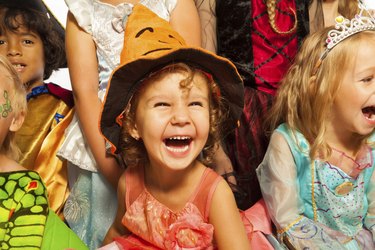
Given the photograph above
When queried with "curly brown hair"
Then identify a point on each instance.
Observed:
(134, 151)
(13, 18)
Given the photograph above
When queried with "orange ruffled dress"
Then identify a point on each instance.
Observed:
(155, 226)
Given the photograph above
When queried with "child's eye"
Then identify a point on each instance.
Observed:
(367, 79)
(161, 104)
(28, 42)
(2, 42)
(196, 104)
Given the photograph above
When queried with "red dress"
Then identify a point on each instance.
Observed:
(262, 57)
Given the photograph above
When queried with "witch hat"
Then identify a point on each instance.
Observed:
(150, 43)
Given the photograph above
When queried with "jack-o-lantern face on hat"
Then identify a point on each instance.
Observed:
(165, 42)
(150, 43)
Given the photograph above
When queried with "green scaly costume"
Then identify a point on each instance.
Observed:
(23, 210)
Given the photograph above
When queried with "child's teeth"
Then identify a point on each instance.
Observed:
(178, 150)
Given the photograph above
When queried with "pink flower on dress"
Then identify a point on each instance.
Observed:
(189, 232)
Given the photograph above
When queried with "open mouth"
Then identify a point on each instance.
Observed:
(18, 66)
(178, 144)
(369, 113)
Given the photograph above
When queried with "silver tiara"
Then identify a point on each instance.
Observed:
(345, 28)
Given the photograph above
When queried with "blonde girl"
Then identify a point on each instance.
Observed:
(317, 175)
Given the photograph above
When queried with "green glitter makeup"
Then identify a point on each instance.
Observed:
(6, 108)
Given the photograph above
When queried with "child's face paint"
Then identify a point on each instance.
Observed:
(6, 112)
(5, 108)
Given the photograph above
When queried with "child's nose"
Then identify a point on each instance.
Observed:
(14, 49)
(180, 116)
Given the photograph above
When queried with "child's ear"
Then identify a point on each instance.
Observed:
(133, 131)
(17, 122)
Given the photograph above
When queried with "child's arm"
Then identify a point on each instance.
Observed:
(206, 10)
(277, 176)
(229, 230)
(185, 20)
(118, 229)
(83, 69)
(370, 216)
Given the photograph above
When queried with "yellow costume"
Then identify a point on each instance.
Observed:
(49, 113)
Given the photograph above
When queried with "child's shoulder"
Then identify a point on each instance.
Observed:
(54, 90)
(14, 171)
(211, 181)
(61, 93)
(8, 164)
(371, 139)
(12, 167)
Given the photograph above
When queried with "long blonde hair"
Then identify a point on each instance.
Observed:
(19, 107)
(304, 99)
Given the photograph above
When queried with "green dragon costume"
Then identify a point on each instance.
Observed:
(26, 222)
(23, 210)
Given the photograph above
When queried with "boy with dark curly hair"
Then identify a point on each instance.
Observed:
(30, 40)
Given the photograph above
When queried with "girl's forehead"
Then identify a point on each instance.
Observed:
(20, 29)
(175, 79)
(364, 58)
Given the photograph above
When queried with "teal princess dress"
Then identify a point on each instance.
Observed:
(314, 203)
